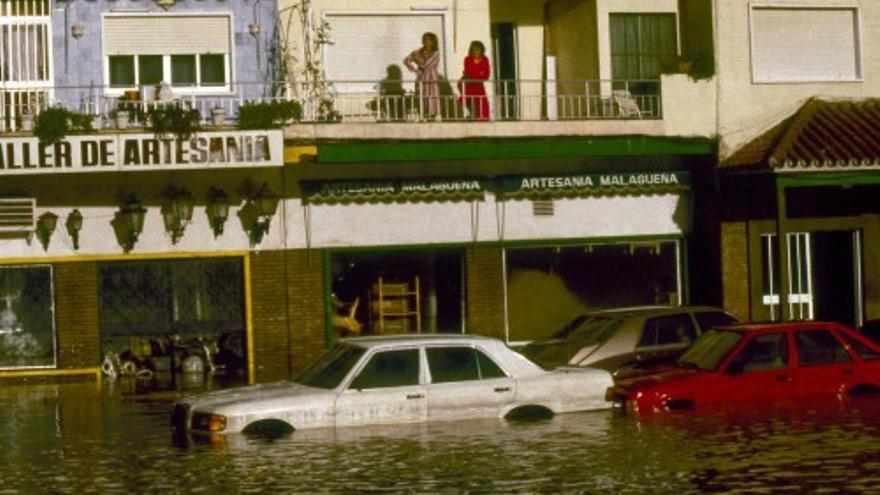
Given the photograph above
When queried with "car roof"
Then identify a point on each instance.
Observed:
(404, 339)
(769, 326)
(649, 311)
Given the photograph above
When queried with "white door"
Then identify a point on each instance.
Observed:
(387, 390)
(466, 383)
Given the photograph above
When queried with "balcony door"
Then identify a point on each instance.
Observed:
(642, 47)
(504, 51)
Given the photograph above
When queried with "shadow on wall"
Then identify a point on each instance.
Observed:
(539, 317)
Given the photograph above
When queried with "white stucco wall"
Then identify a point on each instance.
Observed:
(747, 109)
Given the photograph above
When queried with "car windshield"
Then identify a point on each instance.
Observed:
(592, 330)
(333, 366)
(708, 351)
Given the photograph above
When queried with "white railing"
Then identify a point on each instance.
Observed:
(360, 101)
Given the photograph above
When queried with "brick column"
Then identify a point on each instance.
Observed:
(269, 316)
(307, 305)
(76, 315)
(735, 268)
(485, 291)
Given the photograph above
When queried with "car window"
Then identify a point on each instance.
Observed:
(389, 369)
(488, 368)
(330, 369)
(711, 319)
(816, 347)
(666, 330)
(763, 353)
(594, 330)
(458, 364)
(571, 326)
(708, 351)
(862, 351)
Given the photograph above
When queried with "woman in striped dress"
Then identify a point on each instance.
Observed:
(425, 62)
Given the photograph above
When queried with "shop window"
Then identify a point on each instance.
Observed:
(183, 70)
(122, 71)
(27, 326)
(391, 292)
(389, 369)
(549, 286)
(817, 347)
(148, 309)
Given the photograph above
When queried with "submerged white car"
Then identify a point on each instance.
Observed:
(398, 379)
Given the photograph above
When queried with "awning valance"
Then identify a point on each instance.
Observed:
(395, 190)
(636, 183)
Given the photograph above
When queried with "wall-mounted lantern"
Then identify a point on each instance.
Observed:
(77, 30)
(255, 29)
(177, 212)
(217, 210)
(166, 4)
(257, 213)
(46, 227)
(74, 225)
(129, 222)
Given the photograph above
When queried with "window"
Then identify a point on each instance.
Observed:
(122, 71)
(861, 350)
(458, 364)
(328, 371)
(764, 353)
(27, 324)
(667, 330)
(188, 51)
(815, 347)
(642, 45)
(800, 275)
(389, 369)
(710, 349)
(795, 44)
(712, 319)
(150, 70)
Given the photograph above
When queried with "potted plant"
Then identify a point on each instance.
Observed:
(27, 120)
(268, 115)
(120, 116)
(54, 123)
(97, 121)
(176, 120)
(218, 115)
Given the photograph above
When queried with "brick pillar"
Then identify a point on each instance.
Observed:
(269, 316)
(307, 306)
(485, 291)
(76, 315)
(735, 268)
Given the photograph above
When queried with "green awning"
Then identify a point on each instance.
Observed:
(620, 184)
(395, 190)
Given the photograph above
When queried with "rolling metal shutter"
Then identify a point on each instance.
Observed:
(363, 46)
(166, 35)
(805, 44)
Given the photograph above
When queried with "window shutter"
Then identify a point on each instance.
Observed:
(803, 44)
(166, 35)
(363, 46)
(17, 214)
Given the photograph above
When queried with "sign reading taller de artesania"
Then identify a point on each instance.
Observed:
(133, 152)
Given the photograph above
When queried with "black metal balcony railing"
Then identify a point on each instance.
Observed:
(353, 101)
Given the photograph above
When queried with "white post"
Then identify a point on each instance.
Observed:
(550, 88)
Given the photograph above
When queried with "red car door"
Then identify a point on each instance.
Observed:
(760, 371)
(824, 366)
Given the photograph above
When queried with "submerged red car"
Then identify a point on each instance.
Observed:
(756, 362)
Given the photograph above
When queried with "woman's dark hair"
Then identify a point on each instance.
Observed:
(435, 43)
(479, 45)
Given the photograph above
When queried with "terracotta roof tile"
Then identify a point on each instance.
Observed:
(821, 134)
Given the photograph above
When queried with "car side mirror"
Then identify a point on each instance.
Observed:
(735, 368)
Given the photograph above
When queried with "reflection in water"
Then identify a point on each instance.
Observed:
(76, 438)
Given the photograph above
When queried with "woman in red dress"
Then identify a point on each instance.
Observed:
(473, 91)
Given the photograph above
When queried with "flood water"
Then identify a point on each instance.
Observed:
(79, 438)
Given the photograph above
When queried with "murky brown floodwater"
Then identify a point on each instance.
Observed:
(79, 439)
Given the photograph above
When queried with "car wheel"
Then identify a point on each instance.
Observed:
(529, 413)
(268, 428)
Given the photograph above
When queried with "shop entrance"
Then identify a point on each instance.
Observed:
(399, 291)
(178, 320)
(836, 269)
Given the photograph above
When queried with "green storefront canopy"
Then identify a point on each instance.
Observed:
(395, 190)
(636, 183)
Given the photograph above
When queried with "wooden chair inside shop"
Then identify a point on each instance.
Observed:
(344, 320)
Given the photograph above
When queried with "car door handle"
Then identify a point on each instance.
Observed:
(415, 396)
(783, 378)
(502, 389)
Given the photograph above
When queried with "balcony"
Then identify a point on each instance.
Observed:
(671, 106)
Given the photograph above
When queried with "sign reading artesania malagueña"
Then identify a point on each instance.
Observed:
(132, 152)
(635, 182)
(382, 189)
